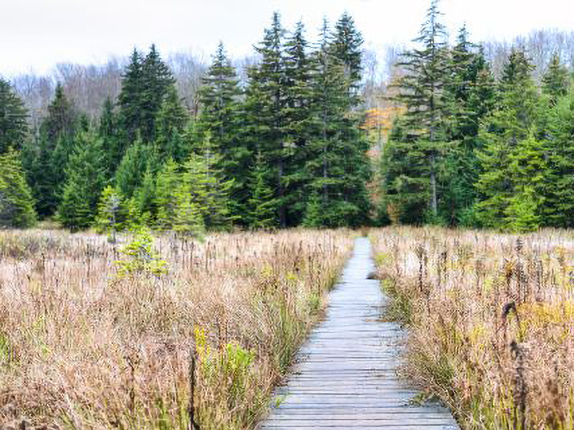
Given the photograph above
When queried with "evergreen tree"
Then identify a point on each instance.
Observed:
(37, 162)
(471, 95)
(171, 122)
(144, 198)
(405, 177)
(138, 159)
(313, 212)
(84, 183)
(337, 161)
(16, 202)
(188, 219)
(221, 117)
(109, 133)
(202, 180)
(559, 178)
(347, 49)
(130, 99)
(298, 121)
(262, 205)
(61, 122)
(46, 156)
(526, 170)
(423, 92)
(157, 81)
(177, 207)
(266, 108)
(109, 215)
(168, 183)
(556, 80)
(13, 125)
(504, 129)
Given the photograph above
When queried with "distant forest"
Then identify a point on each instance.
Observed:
(308, 133)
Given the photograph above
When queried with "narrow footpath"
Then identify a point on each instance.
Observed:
(345, 376)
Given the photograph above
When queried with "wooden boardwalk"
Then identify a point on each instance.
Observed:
(345, 376)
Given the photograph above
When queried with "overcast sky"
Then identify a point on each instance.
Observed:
(37, 34)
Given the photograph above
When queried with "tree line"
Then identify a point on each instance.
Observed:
(474, 151)
(286, 146)
(283, 150)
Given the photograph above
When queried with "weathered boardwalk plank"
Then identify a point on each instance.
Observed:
(345, 376)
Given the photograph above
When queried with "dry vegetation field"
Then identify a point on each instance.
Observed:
(491, 319)
(89, 343)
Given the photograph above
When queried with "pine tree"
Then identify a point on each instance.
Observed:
(171, 121)
(188, 220)
(559, 178)
(504, 129)
(221, 117)
(556, 80)
(109, 215)
(168, 182)
(337, 163)
(423, 92)
(347, 49)
(138, 159)
(526, 170)
(130, 99)
(471, 96)
(13, 125)
(265, 107)
(46, 156)
(298, 121)
(262, 205)
(61, 122)
(16, 202)
(313, 212)
(84, 183)
(157, 81)
(202, 179)
(405, 177)
(109, 133)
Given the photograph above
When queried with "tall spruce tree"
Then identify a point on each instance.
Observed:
(85, 179)
(503, 130)
(13, 114)
(423, 92)
(157, 80)
(265, 107)
(261, 205)
(46, 156)
(347, 49)
(337, 162)
(221, 118)
(109, 133)
(203, 180)
(171, 121)
(130, 99)
(471, 95)
(16, 202)
(61, 121)
(558, 181)
(556, 80)
(138, 159)
(297, 117)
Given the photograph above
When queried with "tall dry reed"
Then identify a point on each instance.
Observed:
(491, 320)
(84, 347)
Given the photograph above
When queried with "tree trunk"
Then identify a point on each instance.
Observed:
(434, 198)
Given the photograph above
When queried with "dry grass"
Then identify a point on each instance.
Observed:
(491, 319)
(84, 348)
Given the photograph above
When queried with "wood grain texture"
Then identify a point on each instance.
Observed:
(345, 375)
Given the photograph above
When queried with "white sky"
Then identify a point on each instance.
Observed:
(37, 34)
